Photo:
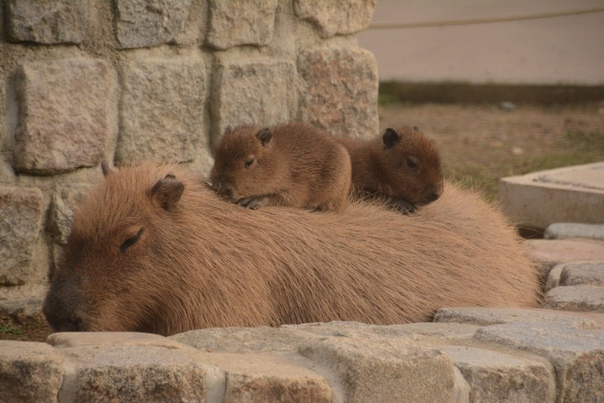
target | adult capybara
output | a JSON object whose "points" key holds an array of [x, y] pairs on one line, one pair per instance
{"points": [[402, 165], [152, 249], [293, 164]]}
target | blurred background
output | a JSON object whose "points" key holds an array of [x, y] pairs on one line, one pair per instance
{"points": [[501, 92]]}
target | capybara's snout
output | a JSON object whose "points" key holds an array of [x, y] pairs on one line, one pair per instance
{"points": [[63, 309]]}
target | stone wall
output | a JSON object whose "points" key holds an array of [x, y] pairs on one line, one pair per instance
{"points": [[132, 80]]}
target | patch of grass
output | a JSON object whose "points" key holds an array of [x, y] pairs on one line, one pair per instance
{"points": [[10, 330]]}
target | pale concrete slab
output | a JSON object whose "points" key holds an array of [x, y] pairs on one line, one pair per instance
{"points": [[548, 253], [570, 194], [573, 230]]}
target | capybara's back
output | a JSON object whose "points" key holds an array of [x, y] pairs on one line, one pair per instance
{"points": [[153, 250]]}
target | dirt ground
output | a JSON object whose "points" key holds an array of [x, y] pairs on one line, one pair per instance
{"points": [[478, 144], [481, 143]]}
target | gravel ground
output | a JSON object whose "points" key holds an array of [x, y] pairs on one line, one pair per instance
{"points": [[481, 143]]}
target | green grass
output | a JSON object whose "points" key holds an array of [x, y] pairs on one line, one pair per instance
{"points": [[10, 330]]}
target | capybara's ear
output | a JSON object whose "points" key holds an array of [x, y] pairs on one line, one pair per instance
{"points": [[105, 168], [167, 192], [415, 128], [391, 137], [229, 128], [264, 135]]}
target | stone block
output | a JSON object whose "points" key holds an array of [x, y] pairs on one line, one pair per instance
{"points": [[340, 91], [29, 372], [553, 277], [385, 371], [443, 330], [570, 194], [270, 378], [589, 273], [115, 339], [235, 23], [336, 17], [21, 211], [133, 373], [161, 114], [576, 354], [574, 230], [548, 253], [263, 92], [575, 298], [497, 377], [62, 207], [47, 22], [147, 23], [63, 115]]}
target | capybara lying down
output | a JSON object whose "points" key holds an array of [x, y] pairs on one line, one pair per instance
{"points": [[153, 250]]}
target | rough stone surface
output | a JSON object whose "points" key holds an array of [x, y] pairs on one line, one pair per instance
{"points": [[104, 339], [257, 91], [146, 23], [553, 277], [47, 22], [161, 116], [234, 23], [21, 212], [576, 354], [133, 373], [583, 274], [270, 378], [574, 230], [497, 377], [63, 112], [336, 17], [340, 91], [548, 253], [385, 371], [29, 372], [575, 298], [62, 207], [443, 330]]}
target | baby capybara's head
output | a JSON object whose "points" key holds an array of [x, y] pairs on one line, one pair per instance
{"points": [[245, 163], [411, 164], [117, 242]]}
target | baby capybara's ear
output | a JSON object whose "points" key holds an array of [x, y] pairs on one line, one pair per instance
{"points": [[264, 135], [105, 168], [391, 137], [167, 192]]}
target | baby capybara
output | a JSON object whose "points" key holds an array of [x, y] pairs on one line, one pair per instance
{"points": [[402, 165], [152, 249], [292, 164]]}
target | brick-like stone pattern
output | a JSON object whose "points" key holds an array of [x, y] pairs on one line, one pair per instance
{"points": [[161, 114], [63, 115], [47, 22], [336, 16], [146, 23], [235, 23], [340, 91]]}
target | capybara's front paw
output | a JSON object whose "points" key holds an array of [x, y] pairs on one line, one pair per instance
{"points": [[252, 203], [404, 206]]}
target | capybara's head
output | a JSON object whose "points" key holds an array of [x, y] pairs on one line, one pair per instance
{"points": [[245, 163], [106, 279], [411, 164]]}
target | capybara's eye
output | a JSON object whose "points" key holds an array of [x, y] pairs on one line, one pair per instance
{"points": [[411, 164], [131, 241], [249, 162]]}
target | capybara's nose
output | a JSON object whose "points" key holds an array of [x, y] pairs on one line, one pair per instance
{"points": [[224, 189], [432, 197]]}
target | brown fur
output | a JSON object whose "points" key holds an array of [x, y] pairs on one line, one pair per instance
{"points": [[402, 164], [299, 166], [153, 250]]}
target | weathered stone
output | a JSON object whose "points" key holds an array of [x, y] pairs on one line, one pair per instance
{"points": [[336, 17], [591, 273], [133, 373], [62, 207], [553, 277], [576, 354], [103, 339], [47, 22], [548, 253], [146, 23], [443, 330], [496, 377], [340, 91], [245, 92], [234, 23], [575, 298], [21, 212], [574, 230], [384, 371], [29, 372], [493, 316], [161, 115], [63, 112], [270, 378]]}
